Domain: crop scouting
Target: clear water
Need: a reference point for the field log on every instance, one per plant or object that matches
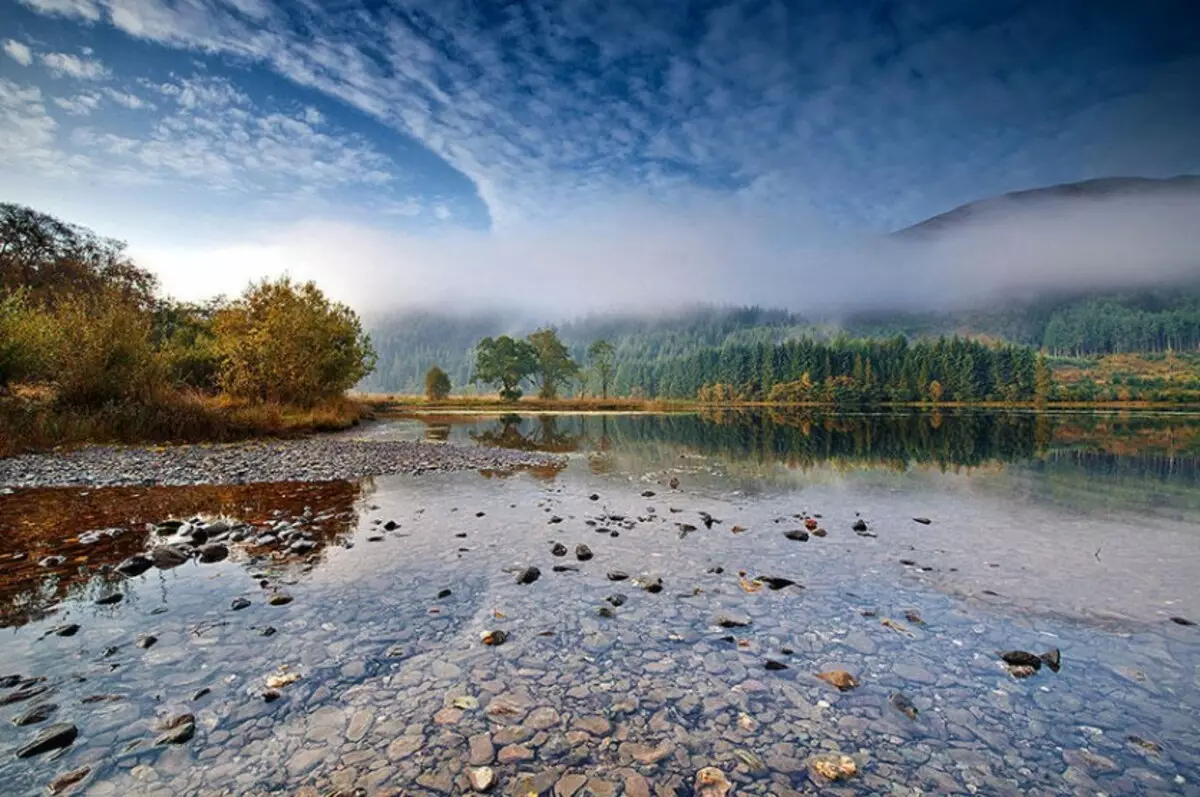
(1075, 532)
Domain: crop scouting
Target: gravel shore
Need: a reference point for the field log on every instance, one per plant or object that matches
(312, 459)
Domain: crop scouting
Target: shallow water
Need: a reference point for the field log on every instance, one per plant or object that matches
(1069, 532)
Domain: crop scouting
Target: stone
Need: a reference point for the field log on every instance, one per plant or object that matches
(797, 535)
(71, 629)
(1052, 659)
(774, 666)
(830, 767)
(636, 785)
(35, 714)
(840, 679)
(279, 599)
(146, 641)
(733, 620)
(595, 725)
(110, 599)
(924, 521)
(514, 753)
(168, 557)
(559, 549)
(68, 779)
(582, 552)
(481, 778)
(1022, 658)
(404, 747)
(480, 750)
(645, 754)
(569, 785)
(55, 737)
(542, 718)
(177, 730)
(238, 604)
(617, 575)
(494, 638)
(214, 552)
(859, 525)
(448, 716)
(1022, 670)
(616, 599)
(711, 782)
(360, 723)
(528, 575)
(901, 703)
(134, 566)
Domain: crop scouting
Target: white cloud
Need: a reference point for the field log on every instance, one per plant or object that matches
(67, 65)
(18, 52)
(80, 104)
(128, 100)
(83, 9)
(28, 133)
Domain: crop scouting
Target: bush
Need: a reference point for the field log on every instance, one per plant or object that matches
(101, 351)
(437, 384)
(286, 342)
(23, 340)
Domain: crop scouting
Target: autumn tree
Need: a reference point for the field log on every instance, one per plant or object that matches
(506, 361)
(284, 341)
(602, 355)
(437, 384)
(22, 339)
(554, 364)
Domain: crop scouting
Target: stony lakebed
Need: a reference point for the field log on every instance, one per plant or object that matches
(618, 619)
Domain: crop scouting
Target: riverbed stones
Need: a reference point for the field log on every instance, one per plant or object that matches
(176, 730)
(711, 782)
(593, 724)
(494, 638)
(514, 753)
(54, 737)
(237, 604)
(839, 679)
(831, 767)
(39, 713)
(528, 576)
(583, 553)
(481, 778)
(480, 750)
(559, 549)
(134, 566)
(66, 780)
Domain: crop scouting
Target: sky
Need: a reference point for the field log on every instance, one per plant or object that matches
(584, 153)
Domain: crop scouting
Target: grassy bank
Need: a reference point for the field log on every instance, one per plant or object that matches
(32, 422)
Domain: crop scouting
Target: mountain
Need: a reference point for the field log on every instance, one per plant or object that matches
(1078, 323)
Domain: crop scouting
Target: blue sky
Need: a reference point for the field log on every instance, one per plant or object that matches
(220, 134)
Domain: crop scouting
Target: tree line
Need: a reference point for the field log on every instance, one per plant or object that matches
(83, 323)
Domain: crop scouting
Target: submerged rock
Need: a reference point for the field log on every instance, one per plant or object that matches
(68, 779)
(1022, 658)
(901, 703)
(215, 552)
(238, 604)
(169, 556)
(177, 730)
(617, 575)
(840, 679)
(494, 638)
(35, 714)
(1182, 621)
(481, 778)
(775, 666)
(134, 566)
(1052, 659)
(110, 599)
(529, 575)
(733, 620)
(54, 737)
(711, 782)
(830, 767)
(798, 535)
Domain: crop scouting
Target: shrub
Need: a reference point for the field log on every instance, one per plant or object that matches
(101, 351)
(23, 340)
(286, 342)
(437, 384)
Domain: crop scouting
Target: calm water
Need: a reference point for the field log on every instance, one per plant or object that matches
(1075, 532)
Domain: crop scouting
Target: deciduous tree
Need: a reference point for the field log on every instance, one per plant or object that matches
(437, 384)
(602, 355)
(507, 362)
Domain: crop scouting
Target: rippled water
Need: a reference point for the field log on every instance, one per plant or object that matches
(1068, 532)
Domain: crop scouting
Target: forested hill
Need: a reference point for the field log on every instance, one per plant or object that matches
(409, 343)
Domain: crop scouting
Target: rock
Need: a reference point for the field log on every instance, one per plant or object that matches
(68, 779)
(555, 520)
(831, 767)
(569, 785)
(167, 557)
(238, 604)
(1052, 659)
(35, 714)
(444, 593)
(481, 751)
(840, 679)
(733, 620)
(1145, 745)
(559, 549)
(1021, 670)
(529, 575)
(1022, 658)
(565, 569)
(901, 703)
(924, 521)
(776, 583)
(653, 586)
(134, 566)
(773, 665)
(214, 552)
(481, 778)
(494, 638)
(54, 737)
(1182, 621)
(202, 692)
(448, 716)
(582, 552)
(177, 730)
(23, 694)
(594, 724)
(859, 525)
(616, 599)
(110, 599)
(270, 696)
(146, 641)
(70, 629)
(594, 497)
(647, 493)
(391, 525)
(818, 532)
(514, 753)
(279, 599)
(914, 617)
(267, 630)
(674, 483)
(607, 612)
(302, 546)
(799, 535)
(711, 782)
(281, 679)
(617, 575)
(636, 785)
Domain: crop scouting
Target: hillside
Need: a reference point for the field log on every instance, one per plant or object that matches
(1068, 324)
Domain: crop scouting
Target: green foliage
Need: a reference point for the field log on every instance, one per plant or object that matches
(286, 342)
(506, 361)
(437, 384)
(187, 345)
(100, 351)
(601, 354)
(23, 339)
(555, 366)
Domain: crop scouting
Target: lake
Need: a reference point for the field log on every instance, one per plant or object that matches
(729, 559)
